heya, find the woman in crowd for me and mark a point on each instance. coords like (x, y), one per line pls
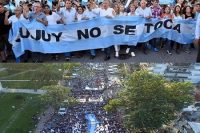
(116, 9)
(52, 18)
(188, 14)
(131, 13)
(122, 10)
(167, 15)
(132, 10)
(156, 13)
(177, 15)
(80, 13)
(117, 12)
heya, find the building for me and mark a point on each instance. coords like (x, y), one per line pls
(195, 74)
(177, 72)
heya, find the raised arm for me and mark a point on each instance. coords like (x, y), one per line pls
(6, 22)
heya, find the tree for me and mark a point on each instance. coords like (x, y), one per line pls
(125, 69)
(51, 73)
(148, 101)
(56, 95)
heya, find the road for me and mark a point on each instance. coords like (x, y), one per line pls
(28, 91)
(157, 57)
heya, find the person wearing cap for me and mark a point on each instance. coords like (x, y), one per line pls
(197, 38)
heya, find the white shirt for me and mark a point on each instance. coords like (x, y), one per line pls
(122, 14)
(53, 18)
(129, 14)
(108, 12)
(80, 16)
(177, 17)
(14, 19)
(90, 14)
(143, 12)
(68, 15)
(197, 30)
(96, 11)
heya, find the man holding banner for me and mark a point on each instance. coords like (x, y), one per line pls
(68, 14)
(145, 12)
(39, 16)
(108, 12)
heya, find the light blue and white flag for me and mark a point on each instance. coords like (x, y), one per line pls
(49, 2)
(10, 7)
(96, 33)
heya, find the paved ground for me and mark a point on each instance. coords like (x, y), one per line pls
(29, 91)
(157, 57)
(9, 76)
(44, 117)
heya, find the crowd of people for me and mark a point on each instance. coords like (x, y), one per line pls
(74, 121)
(67, 12)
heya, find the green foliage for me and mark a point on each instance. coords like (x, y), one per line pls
(112, 105)
(148, 101)
(70, 66)
(55, 95)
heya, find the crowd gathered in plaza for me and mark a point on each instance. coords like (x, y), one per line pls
(74, 121)
(71, 11)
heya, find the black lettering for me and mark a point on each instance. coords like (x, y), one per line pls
(43, 36)
(118, 29)
(22, 35)
(57, 36)
(177, 27)
(148, 26)
(82, 34)
(97, 34)
(130, 29)
(165, 24)
(38, 35)
(158, 25)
